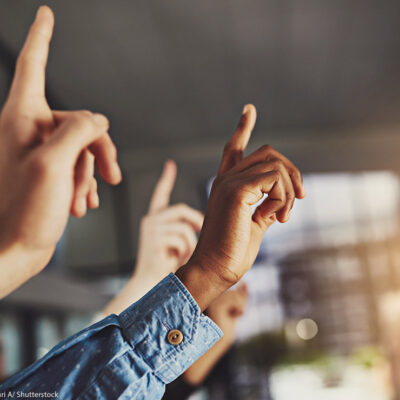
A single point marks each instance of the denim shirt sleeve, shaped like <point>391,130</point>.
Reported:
<point>126,356</point>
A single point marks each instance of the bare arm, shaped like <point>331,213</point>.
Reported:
<point>167,240</point>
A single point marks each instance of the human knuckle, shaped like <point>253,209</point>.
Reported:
<point>237,154</point>
<point>218,181</point>
<point>295,173</point>
<point>276,163</point>
<point>187,228</point>
<point>82,120</point>
<point>182,207</point>
<point>85,113</point>
<point>228,147</point>
<point>290,196</point>
<point>266,148</point>
<point>276,175</point>
<point>280,201</point>
<point>243,122</point>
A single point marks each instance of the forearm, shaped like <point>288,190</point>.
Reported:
<point>18,265</point>
<point>135,288</point>
<point>203,284</point>
<point>133,350</point>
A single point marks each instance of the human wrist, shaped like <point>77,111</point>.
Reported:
<point>227,340</point>
<point>203,283</point>
<point>18,264</point>
<point>146,275</point>
<point>32,258</point>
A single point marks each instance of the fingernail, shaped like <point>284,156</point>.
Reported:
<point>245,109</point>
<point>40,10</point>
<point>169,164</point>
<point>100,119</point>
<point>43,10</point>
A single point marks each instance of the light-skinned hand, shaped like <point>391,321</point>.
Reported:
<point>167,232</point>
<point>46,163</point>
<point>167,240</point>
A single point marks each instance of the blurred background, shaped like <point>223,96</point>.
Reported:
<point>324,315</point>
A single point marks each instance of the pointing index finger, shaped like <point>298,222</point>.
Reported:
<point>162,192</point>
<point>233,152</point>
<point>29,77</point>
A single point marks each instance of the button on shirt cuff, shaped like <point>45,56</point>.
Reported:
<point>168,330</point>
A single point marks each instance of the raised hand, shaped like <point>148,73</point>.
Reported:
<point>167,240</point>
<point>46,163</point>
<point>231,235</point>
<point>167,232</point>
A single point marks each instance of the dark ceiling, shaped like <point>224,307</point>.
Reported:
<point>179,71</point>
<point>173,77</point>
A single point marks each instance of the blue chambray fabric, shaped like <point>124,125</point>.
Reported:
<point>126,356</point>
